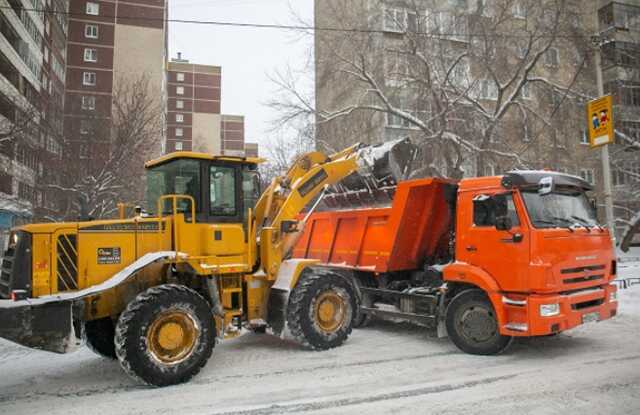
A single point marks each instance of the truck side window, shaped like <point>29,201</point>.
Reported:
<point>222,191</point>
<point>485,208</point>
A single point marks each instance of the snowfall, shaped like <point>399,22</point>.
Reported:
<point>384,368</point>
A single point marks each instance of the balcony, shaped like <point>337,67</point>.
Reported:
<point>623,17</point>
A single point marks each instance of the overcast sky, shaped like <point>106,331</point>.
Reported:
<point>246,55</point>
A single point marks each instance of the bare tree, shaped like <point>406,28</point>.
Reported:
<point>464,83</point>
<point>113,171</point>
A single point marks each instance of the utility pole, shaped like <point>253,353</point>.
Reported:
<point>604,149</point>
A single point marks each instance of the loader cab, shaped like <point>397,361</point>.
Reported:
<point>223,188</point>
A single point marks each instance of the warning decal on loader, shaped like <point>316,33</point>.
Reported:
<point>107,256</point>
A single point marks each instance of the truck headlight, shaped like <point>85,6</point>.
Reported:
<point>613,296</point>
<point>549,310</point>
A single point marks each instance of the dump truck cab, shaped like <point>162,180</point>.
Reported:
<point>532,237</point>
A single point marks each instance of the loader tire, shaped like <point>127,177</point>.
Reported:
<point>321,310</point>
<point>472,324</point>
<point>165,335</point>
<point>99,335</point>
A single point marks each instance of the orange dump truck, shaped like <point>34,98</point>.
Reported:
<point>483,260</point>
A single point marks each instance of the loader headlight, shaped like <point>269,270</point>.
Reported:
<point>13,239</point>
<point>549,310</point>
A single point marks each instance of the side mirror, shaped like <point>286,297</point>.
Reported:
<point>503,223</point>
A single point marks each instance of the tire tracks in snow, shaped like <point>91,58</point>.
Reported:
<point>315,406</point>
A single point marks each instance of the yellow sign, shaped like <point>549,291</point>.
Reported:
<point>600,120</point>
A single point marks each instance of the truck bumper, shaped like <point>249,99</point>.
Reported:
<point>47,326</point>
<point>575,309</point>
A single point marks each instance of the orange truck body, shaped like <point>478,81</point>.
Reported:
<point>571,267</point>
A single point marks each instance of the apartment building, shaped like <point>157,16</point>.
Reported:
<point>194,119</point>
<point>619,23</point>
<point>32,61</point>
<point>110,43</point>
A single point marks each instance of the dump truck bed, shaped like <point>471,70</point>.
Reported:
<point>415,228</point>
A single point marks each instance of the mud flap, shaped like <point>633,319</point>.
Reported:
<point>45,326</point>
<point>277,310</point>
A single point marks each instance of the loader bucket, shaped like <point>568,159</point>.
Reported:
<point>46,327</point>
<point>380,168</point>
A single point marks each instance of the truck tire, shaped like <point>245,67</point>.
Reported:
<point>99,335</point>
<point>472,324</point>
<point>165,335</point>
<point>321,310</point>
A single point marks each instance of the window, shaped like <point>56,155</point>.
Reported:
<point>587,174</point>
<point>448,25</point>
<point>179,104</point>
<point>222,191</point>
<point>552,57</point>
<point>487,89</point>
<point>525,92</point>
<point>178,145</point>
<point>84,151</point>
<point>486,208</point>
<point>630,95</point>
<point>85,126</point>
<point>489,169</point>
<point>584,137</point>
<point>178,177</point>
<point>90,55</point>
<point>89,78</point>
<point>483,8</point>
<point>180,77</point>
<point>91,31</point>
<point>180,90</point>
<point>518,10</point>
<point>88,103</point>
<point>180,118</point>
<point>397,65</point>
<point>395,20</point>
<point>179,132</point>
<point>93,8</point>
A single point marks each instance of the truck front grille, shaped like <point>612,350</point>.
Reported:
<point>584,274</point>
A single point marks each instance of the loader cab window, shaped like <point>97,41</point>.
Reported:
<point>222,191</point>
<point>250,188</point>
<point>179,177</point>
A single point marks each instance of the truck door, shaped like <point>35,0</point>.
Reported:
<point>504,254</point>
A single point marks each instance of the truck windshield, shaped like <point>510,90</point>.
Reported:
<point>559,209</point>
<point>179,177</point>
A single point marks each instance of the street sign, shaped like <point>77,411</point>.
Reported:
<point>600,120</point>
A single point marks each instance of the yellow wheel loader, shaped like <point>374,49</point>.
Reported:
<point>207,258</point>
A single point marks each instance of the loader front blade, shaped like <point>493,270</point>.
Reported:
<point>43,326</point>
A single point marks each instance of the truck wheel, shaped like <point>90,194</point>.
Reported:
<point>472,324</point>
<point>99,335</point>
<point>321,310</point>
<point>165,335</point>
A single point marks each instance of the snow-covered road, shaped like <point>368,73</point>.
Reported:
<point>385,368</point>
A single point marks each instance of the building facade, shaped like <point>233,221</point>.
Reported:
<point>32,66</point>
<point>110,44</point>
<point>194,118</point>
<point>439,60</point>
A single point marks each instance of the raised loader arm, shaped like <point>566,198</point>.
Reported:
<point>277,210</point>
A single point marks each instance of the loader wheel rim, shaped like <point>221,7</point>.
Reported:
<point>477,324</point>
<point>330,311</point>
<point>172,337</point>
